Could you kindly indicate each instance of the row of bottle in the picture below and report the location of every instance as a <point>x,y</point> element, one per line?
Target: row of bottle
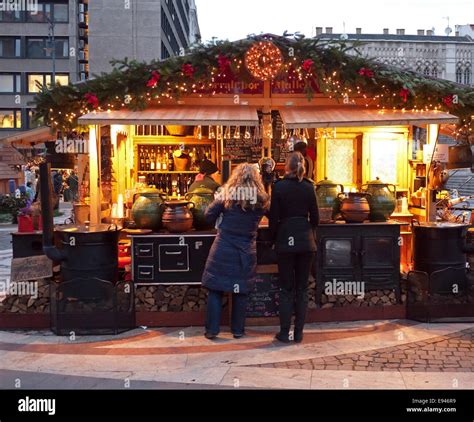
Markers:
<point>155,159</point>
<point>161,158</point>
<point>174,185</point>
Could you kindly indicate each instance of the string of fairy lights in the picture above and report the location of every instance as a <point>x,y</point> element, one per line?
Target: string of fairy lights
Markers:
<point>350,82</point>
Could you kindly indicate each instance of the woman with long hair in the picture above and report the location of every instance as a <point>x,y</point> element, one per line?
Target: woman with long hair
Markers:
<point>232,262</point>
<point>293,218</point>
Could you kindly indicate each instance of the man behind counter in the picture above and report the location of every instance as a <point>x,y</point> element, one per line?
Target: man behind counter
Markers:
<point>204,180</point>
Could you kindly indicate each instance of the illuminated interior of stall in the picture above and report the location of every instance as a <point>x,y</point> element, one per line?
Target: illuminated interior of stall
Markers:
<point>355,156</point>
<point>158,148</point>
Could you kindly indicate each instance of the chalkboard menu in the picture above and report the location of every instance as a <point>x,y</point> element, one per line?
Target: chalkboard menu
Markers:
<point>243,150</point>
<point>264,299</point>
<point>279,146</point>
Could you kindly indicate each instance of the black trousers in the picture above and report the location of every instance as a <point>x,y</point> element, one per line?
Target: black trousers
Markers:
<point>294,270</point>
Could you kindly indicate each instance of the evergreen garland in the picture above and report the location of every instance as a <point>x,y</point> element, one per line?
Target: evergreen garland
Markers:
<point>334,67</point>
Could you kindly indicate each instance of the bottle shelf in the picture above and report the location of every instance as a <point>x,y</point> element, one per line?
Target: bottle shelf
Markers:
<point>167,172</point>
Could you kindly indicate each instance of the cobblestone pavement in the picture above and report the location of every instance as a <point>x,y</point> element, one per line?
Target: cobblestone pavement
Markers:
<point>449,353</point>
<point>352,355</point>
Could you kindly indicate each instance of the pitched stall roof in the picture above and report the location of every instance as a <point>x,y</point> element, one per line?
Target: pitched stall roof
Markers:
<point>177,115</point>
<point>349,116</point>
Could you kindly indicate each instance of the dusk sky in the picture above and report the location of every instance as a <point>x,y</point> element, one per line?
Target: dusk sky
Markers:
<point>236,19</point>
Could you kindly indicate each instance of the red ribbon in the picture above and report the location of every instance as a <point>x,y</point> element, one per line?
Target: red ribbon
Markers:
<point>448,101</point>
<point>224,63</point>
<point>92,100</point>
<point>188,70</point>
<point>155,78</point>
<point>308,65</point>
<point>366,72</point>
<point>404,94</point>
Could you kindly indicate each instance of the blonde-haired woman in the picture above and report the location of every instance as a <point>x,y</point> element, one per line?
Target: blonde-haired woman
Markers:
<point>231,265</point>
<point>293,217</point>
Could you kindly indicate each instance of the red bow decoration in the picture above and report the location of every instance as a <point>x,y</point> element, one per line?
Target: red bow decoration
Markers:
<point>92,100</point>
<point>366,72</point>
<point>224,63</point>
<point>308,65</point>
<point>188,70</point>
<point>155,78</point>
<point>448,101</point>
<point>404,94</point>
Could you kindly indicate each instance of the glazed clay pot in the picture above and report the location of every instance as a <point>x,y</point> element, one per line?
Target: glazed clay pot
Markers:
<point>356,208</point>
<point>178,217</point>
<point>201,198</point>
<point>329,196</point>
<point>148,209</point>
<point>382,199</point>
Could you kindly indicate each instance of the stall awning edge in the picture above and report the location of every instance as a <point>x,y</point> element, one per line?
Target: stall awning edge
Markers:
<point>177,115</point>
<point>329,117</point>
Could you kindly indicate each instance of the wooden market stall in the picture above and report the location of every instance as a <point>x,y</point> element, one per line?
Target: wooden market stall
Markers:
<point>253,99</point>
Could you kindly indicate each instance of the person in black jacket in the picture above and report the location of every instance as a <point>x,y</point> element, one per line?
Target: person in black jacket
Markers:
<point>293,218</point>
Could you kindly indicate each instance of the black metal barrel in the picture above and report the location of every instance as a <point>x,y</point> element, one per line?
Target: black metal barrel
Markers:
<point>90,252</point>
<point>439,246</point>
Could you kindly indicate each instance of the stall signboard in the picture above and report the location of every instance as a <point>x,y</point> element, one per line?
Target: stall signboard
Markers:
<point>264,299</point>
<point>232,86</point>
<point>441,153</point>
<point>31,268</point>
<point>294,85</point>
<point>242,150</point>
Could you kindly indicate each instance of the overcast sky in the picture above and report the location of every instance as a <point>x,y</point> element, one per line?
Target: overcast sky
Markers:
<point>235,19</point>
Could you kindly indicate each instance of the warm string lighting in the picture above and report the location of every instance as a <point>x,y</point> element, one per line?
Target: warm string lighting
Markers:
<point>264,60</point>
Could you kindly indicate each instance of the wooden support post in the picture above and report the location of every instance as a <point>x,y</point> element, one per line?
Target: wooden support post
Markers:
<point>432,138</point>
<point>94,174</point>
<point>266,129</point>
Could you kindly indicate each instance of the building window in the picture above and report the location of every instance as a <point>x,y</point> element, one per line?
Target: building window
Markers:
<point>426,72</point>
<point>168,32</point>
<point>434,73</point>
<point>57,12</point>
<point>37,81</point>
<point>459,75</point>
<point>467,75</point>
<point>10,47</point>
<point>10,119</point>
<point>10,83</point>
<point>61,12</point>
<point>10,16</point>
<point>38,48</point>
<point>42,15</point>
<point>32,123</point>
<point>165,54</point>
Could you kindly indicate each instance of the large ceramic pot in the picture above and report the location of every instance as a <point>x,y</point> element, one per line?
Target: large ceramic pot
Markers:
<point>355,208</point>
<point>147,209</point>
<point>382,199</point>
<point>329,195</point>
<point>201,198</point>
<point>178,217</point>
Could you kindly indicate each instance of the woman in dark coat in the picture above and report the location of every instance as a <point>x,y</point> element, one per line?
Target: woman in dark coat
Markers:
<point>232,262</point>
<point>293,218</point>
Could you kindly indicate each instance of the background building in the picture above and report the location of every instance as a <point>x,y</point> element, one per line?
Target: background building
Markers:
<point>446,57</point>
<point>88,35</point>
